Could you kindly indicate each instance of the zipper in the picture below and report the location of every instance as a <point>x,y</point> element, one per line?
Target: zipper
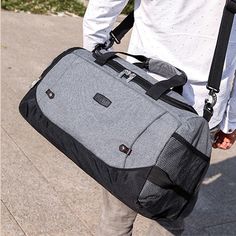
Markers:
<point>174,102</point>
<point>130,76</point>
<point>138,136</point>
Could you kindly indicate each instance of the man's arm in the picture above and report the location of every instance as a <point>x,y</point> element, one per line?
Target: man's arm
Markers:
<point>227,136</point>
<point>99,19</point>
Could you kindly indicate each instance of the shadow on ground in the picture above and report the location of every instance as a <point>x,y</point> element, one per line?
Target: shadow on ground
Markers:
<point>215,211</point>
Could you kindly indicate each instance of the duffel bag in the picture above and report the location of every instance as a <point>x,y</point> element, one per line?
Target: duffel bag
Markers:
<point>135,136</point>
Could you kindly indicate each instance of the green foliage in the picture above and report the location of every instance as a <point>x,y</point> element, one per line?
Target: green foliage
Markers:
<point>52,6</point>
<point>44,7</point>
<point>129,7</point>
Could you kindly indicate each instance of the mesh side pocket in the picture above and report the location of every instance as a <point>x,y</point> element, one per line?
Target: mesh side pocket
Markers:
<point>185,165</point>
<point>160,203</point>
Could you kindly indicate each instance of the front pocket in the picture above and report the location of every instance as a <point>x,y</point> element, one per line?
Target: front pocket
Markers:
<point>76,109</point>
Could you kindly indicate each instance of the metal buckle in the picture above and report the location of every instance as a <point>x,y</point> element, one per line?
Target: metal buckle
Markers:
<point>98,47</point>
<point>108,44</point>
<point>212,99</point>
<point>114,37</point>
<point>209,104</point>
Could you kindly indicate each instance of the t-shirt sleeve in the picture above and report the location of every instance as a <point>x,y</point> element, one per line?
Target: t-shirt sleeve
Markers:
<point>228,124</point>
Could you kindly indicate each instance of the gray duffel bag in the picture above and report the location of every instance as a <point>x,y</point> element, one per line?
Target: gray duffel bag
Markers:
<point>135,136</point>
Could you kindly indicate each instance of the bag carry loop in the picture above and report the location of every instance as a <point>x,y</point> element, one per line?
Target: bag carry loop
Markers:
<point>103,58</point>
<point>217,65</point>
<point>164,86</point>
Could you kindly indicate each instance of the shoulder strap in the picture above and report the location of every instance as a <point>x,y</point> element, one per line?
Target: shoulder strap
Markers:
<point>217,65</point>
<point>119,32</point>
<point>221,46</point>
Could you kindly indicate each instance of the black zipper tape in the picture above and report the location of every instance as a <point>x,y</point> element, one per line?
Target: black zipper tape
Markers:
<point>176,103</point>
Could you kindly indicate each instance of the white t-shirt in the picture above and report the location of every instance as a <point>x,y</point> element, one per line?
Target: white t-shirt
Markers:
<point>182,33</point>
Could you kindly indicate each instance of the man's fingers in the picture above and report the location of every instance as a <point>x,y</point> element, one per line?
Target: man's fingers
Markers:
<point>224,145</point>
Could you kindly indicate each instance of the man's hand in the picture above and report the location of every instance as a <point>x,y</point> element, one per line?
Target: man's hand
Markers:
<point>224,141</point>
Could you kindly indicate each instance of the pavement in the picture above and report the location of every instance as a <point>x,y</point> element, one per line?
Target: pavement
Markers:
<point>43,193</point>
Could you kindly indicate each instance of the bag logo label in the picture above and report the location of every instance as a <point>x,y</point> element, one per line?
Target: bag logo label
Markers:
<point>102,100</point>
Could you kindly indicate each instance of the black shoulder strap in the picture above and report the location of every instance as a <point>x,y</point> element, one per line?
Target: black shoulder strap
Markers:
<point>221,46</point>
<point>119,32</point>
<point>217,65</point>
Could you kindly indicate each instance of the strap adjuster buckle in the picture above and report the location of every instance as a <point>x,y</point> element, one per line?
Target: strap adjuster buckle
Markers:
<point>109,43</point>
<point>209,104</point>
<point>114,38</point>
<point>212,99</point>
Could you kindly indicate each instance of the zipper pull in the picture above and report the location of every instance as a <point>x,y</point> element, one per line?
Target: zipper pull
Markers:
<point>127,74</point>
<point>131,76</point>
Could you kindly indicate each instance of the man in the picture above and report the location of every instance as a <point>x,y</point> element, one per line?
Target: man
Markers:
<point>184,34</point>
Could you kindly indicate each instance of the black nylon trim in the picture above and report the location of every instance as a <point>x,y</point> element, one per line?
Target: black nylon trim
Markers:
<point>191,147</point>
<point>161,178</point>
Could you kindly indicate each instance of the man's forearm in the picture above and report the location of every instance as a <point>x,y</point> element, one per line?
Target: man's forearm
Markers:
<point>99,19</point>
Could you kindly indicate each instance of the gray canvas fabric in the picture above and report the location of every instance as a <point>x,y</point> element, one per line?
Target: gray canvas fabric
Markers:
<point>132,119</point>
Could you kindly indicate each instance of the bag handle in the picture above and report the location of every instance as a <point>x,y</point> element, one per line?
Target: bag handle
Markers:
<point>177,78</point>
<point>176,82</point>
<point>103,58</point>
